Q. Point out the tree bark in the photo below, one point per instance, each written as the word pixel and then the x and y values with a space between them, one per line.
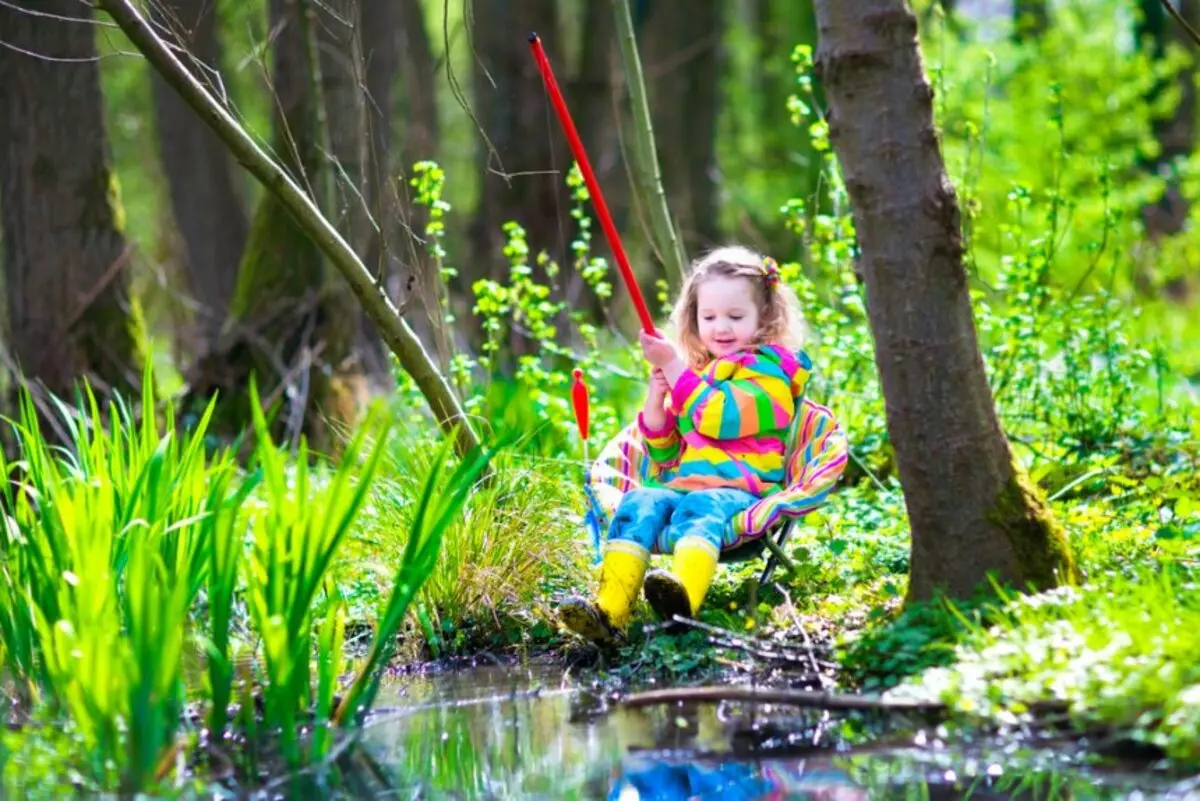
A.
pixel 205 202
pixel 352 172
pixel 647 175
pixel 592 93
pixel 778 26
pixel 684 60
pixel 1175 133
pixel 524 168
pixel 399 337
pixel 288 325
pixel 1030 19
pixel 342 80
pixel 972 510
pixel 421 141
pixel 66 259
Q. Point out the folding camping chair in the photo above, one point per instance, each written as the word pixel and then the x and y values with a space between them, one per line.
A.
pixel 817 454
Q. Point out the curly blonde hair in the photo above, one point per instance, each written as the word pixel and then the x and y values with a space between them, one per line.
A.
pixel 779 317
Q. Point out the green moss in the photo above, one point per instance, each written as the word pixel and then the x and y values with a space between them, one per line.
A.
pixel 1037 538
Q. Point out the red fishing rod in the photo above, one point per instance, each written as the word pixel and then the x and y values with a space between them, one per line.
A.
pixel 585 166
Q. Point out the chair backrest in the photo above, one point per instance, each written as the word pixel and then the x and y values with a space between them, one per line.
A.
pixel 818 450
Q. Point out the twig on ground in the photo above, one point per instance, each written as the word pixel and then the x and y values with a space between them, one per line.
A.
pixel 812 656
pixel 775 652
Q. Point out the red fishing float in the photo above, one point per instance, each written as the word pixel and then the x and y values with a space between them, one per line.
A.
pixel 579 401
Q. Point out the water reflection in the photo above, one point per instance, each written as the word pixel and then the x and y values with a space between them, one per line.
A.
pixel 533 733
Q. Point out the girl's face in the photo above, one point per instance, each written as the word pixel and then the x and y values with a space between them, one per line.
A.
pixel 726 314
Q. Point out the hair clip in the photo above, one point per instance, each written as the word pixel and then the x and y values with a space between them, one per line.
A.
pixel 770 271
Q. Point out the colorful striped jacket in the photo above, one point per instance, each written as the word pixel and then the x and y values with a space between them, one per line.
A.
pixel 727 425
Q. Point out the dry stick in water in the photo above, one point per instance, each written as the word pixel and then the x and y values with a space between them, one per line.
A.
pixel 395 331
pixel 758 695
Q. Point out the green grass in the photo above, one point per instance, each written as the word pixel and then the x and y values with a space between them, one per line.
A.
pixel 142 574
pixel 519 540
pixel 1123 652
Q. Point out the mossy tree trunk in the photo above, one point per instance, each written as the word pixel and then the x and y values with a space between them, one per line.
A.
pixel 66 265
pixel 290 325
pixel 207 207
pixel 973 512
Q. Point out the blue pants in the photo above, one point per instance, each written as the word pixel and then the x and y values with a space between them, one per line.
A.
pixel 657 519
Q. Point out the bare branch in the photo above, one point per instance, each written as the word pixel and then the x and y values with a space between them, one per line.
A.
pixel 1174 12
pixel 60 59
pixel 59 17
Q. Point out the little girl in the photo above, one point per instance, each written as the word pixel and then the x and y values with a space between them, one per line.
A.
pixel 715 422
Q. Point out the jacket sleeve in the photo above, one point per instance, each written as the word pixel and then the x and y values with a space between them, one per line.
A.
pixel 663 445
pixel 743 395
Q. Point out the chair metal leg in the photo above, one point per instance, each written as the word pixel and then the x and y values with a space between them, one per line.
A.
pixel 775 546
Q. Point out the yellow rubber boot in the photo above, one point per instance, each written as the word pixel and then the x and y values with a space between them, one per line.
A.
pixel 681 591
pixel 621 573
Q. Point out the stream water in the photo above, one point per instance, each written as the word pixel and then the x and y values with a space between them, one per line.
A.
pixel 537 732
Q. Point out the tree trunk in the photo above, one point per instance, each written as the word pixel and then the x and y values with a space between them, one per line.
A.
pixel 352 172
pixel 1030 19
pixel 66 258
pixel 778 26
pixel 344 103
pixel 420 142
pixel 972 510
pixel 207 207
pixel 683 59
pixel 1175 133
pixel 290 326
pixel 655 211
pixel 524 168
pixel 413 358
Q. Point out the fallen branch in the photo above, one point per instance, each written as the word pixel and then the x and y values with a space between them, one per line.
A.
pixel 812 699
pixel 395 331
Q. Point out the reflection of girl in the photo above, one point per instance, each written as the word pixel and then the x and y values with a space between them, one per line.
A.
pixel 660 780
pixel 686 780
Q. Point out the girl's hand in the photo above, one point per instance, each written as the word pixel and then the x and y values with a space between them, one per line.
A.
pixel 659 352
pixel 659 385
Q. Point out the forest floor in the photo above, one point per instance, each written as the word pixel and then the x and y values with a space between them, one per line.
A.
pixel 1120 650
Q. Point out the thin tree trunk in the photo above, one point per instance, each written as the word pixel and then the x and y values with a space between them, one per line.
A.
pixel 413 358
pixel 207 207
pixel 421 127
pixel 647 173
pixel 66 261
pixel 1030 18
pixel 339 35
pixel 592 95
pixel 524 165
pixel 779 26
pixel 972 510
pixel 342 81
pixel 1175 133
pixel 682 52
pixel 421 140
